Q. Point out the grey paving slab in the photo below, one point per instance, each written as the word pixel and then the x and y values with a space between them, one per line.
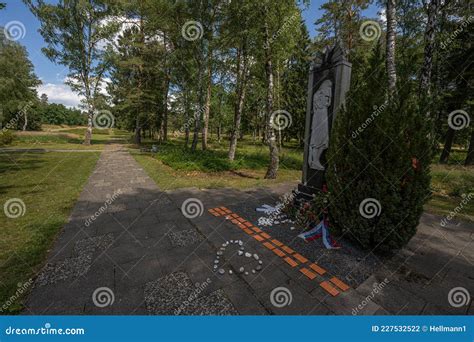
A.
pixel 123 236
pixel 130 248
pixel 176 294
pixel 436 260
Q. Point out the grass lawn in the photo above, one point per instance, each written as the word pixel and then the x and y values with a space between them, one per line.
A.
pixel 70 139
pixel 49 185
pixel 177 167
pixel 449 184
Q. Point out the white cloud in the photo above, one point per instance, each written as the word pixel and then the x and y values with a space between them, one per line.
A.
pixel 60 93
pixel 382 15
pixel 124 24
pixel 103 85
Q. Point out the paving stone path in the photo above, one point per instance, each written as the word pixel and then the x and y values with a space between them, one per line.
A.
pixel 128 249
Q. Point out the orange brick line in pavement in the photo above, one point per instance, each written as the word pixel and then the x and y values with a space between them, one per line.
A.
pixel 317 268
pixel 339 283
pixel 308 273
pixel 334 286
pixel 290 262
pixel 329 288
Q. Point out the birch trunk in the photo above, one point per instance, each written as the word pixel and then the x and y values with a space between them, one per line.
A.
pixel 271 140
pixel 239 105
pixel 390 55
pixel 207 106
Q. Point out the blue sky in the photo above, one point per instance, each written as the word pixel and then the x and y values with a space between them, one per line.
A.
pixel 53 75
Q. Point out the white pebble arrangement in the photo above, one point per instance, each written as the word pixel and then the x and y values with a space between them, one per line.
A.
pixel 240 252
pixel 265 221
pixel 272 220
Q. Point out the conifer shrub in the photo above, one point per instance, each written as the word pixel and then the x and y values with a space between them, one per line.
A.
pixel 379 159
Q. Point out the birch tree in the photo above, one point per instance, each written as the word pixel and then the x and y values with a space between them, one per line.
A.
pixel 390 53
pixel 75 32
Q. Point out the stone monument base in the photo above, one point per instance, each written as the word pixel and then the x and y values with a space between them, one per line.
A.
pixel 306 192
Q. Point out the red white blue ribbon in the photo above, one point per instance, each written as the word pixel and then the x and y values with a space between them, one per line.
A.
pixel 321 230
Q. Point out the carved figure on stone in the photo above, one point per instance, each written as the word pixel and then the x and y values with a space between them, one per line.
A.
pixel 319 140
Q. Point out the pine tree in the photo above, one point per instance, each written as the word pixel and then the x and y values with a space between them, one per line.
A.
pixel 341 20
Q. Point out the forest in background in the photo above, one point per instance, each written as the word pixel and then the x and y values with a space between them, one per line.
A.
pixel 162 68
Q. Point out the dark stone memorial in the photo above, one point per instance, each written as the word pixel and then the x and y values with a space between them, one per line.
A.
pixel 329 81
